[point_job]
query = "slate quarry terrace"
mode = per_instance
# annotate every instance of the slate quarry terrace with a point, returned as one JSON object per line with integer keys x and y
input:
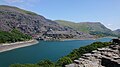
{"x": 102, "y": 57}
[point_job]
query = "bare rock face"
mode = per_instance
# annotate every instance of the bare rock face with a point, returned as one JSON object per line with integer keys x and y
{"x": 102, "y": 57}
{"x": 27, "y": 22}
{"x": 31, "y": 23}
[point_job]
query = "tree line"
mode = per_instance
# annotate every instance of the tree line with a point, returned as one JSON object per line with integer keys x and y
{"x": 13, "y": 36}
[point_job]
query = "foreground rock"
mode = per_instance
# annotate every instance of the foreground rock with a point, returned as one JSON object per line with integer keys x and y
{"x": 102, "y": 57}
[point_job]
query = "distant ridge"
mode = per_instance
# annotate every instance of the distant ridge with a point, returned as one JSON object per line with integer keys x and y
{"x": 84, "y": 26}
{"x": 117, "y": 31}
{"x": 95, "y": 28}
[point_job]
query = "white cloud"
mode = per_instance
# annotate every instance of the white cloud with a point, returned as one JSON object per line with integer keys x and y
{"x": 109, "y": 24}
{"x": 23, "y": 3}
{"x": 13, "y": 1}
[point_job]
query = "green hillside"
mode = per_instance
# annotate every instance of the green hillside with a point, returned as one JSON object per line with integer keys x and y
{"x": 13, "y": 36}
{"x": 73, "y": 25}
{"x": 17, "y": 9}
{"x": 95, "y": 28}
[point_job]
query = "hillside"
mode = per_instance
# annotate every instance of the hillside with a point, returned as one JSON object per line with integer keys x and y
{"x": 13, "y": 36}
{"x": 117, "y": 32}
{"x": 87, "y": 27}
{"x": 33, "y": 24}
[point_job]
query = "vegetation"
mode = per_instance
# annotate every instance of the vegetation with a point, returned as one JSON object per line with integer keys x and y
{"x": 102, "y": 34}
{"x": 75, "y": 54}
{"x": 63, "y": 61}
{"x": 93, "y": 28}
{"x": 46, "y": 63}
{"x": 85, "y": 27}
{"x": 43, "y": 63}
{"x": 13, "y": 36}
{"x": 76, "y": 26}
{"x": 20, "y": 10}
{"x": 24, "y": 65}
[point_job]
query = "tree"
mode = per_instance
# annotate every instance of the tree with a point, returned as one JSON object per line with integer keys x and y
{"x": 13, "y": 36}
{"x": 46, "y": 63}
{"x": 24, "y": 65}
{"x": 64, "y": 61}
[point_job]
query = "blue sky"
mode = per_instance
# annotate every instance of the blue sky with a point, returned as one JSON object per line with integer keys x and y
{"x": 105, "y": 11}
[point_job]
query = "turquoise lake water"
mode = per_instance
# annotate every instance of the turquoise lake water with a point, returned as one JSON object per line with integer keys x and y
{"x": 51, "y": 50}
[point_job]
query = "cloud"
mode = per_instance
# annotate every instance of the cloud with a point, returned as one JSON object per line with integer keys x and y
{"x": 24, "y": 3}
{"x": 109, "y": 24}
{"x": 13, "y": 1}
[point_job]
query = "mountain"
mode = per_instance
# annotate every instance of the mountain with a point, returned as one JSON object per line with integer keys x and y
{"x": 117, "y": 31}
{"x": 95, "y": 28}
{"x": 33, "y": 24}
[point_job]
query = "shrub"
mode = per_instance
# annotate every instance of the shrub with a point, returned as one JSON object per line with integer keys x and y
{"x": 64, "y": 61}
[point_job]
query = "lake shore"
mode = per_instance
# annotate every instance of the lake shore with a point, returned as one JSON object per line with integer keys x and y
{"x": 78, "y": 39}
{"x": 10, "y": 46}
{"x": 87, "y": 38}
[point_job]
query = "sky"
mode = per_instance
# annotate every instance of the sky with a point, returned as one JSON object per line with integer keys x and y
{"x": 105, "y": 11}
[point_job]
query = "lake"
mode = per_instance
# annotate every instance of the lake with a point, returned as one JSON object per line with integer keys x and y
{"x": 51, "y": 50}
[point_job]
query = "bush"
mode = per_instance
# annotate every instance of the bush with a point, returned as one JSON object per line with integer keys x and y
{"x": 46, "y": 63}
{"x": 77, "y": 53}
{"x": 24, "y": 65}
{"x": 13, "y": 36}
{"x": 63, "y": 61}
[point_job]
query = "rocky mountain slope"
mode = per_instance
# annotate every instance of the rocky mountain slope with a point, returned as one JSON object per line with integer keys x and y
{"x": 33, "y": 24}
{"x": 117, "y": 31}
{"x": 89, "y": 27}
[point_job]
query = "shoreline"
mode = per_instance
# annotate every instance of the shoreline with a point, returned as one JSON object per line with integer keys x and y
{"x": 86, "y": 38}
{"x": 11, "y": 46}
{"x": 78, "y": 39}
